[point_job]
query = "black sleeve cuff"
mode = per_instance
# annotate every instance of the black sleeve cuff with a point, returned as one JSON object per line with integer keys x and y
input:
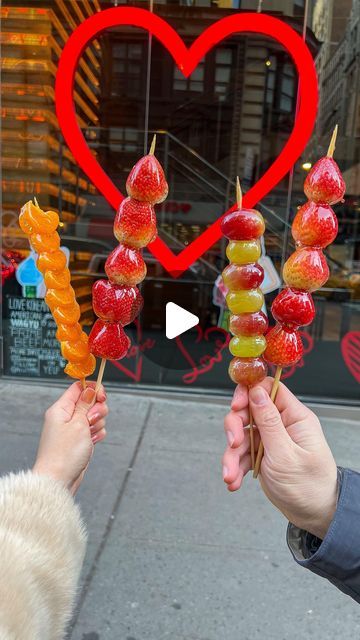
{"x": 337, "y": 557}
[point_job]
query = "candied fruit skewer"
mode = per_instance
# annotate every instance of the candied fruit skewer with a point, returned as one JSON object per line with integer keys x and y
{"x": 314, "y": 227}
{"x": 243, "y": 277}
{"x": 118, "y": 301}
{"x": 41, "y": 228}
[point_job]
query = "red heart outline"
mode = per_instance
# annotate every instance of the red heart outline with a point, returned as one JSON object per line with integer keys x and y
{"x": 186, "y": 59}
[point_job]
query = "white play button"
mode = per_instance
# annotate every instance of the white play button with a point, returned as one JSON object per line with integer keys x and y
{"x": 178, "y": 320}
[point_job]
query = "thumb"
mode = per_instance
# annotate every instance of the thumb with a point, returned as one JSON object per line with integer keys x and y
{"x": 267, "y": 419}
{"x": 85, "y": 402}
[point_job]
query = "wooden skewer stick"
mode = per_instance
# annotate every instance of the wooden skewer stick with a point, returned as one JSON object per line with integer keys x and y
{"x": 238, "y": 193}
{"x": 83, "y": 383}
{"x": 332, "y": 144}
{"x": 273, "y": 393}
{"x": 36, "y": 203}
{"x": 252, "y": 444}
{"x": 153, "y": 145}
{"x": 100, "y": 375}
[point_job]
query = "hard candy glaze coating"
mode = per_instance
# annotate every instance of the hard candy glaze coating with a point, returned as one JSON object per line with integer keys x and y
{"x": 125, "y": 265}
{"x": 248, "y": 324}
{"x": 283, "y": 347}
{"x": 315, "y": 225}
{"x": 306, "y": 269}
{"x": 244, "y": 251}
{"x": 81, "y": 369}
{"x": 247, "y": 346}
{"x": 324, "y": 182}
{"x": 247, "y": 371}
{"x": 243, "y": 276}
{"x": 135, "y": 223}
{"x": 51, "y": 261}
{"x": 57, "y": 279}
{"x": 41, "y": 227}
{"x": 245, "y": 301}
{"x": 60, "y": 297}
{"x": 147, "y": 181}
{"x": 67, "y": 315}
{"x": 293, "y": 308}
{"x": 41, "y": 242}
{"x": 243, "y": 224}
{"x": 32, "y": 219}
{"x": 71, "y": 332}
{"x": 75, "y": 351}
{"x": 116, "y": 303}
{"x": 108, "y": 340}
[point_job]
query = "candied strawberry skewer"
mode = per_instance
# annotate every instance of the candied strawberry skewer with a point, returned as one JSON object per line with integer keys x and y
{"x": 117, "y": 301}
{"x": 243, "y": 277}
{"x": 315, "y": 227}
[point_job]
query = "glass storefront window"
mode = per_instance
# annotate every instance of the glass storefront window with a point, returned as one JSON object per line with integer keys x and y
{"x": 231, "y": 117}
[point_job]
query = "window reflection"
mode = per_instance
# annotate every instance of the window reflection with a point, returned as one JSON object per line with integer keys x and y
{"x": 232, "y": 116}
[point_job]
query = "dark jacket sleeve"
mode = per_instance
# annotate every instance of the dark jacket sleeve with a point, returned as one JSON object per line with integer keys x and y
{"x": 337, "y": 557}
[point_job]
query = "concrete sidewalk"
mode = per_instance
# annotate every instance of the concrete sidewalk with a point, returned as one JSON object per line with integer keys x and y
{"x": 171, "y": 553}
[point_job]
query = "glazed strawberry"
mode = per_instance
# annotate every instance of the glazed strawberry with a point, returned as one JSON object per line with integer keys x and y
{"x": 315, "y": 225}
{"x": 146, "y": 181}
{"x": 135, "y": 223}
{"x": 108, "y": 340}
{"x": 248, "y": 324}
{"x": 324, "y": 183}
{"x": 306, "y": 269}
{"x": 125, "y": 265}
{"x": 243, "y": 276}
{"x": 293, "y": 308}
{"x": 247, "y": 371}
{"x": 116, "y": 303}
{"x": 243, "y": 224}
{"x": 283, "y": 347}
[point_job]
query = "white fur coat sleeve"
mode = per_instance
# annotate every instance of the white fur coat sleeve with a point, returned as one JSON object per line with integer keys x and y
{"x": 42, "y": 546}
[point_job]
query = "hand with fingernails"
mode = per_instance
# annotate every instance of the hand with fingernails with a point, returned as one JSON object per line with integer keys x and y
{"x": 72, "y": 426}
{"x": 298, "y": 473}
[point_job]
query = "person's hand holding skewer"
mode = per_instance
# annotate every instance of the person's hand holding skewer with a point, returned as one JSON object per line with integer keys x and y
{"x": 298, "y": 472}
{"x": 72, "y": 426}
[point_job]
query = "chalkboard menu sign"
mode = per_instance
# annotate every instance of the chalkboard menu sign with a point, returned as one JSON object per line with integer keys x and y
{"x": 30, "y": 345}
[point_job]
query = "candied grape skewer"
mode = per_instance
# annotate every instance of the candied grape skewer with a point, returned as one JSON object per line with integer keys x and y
{"x": 243, "y": 277}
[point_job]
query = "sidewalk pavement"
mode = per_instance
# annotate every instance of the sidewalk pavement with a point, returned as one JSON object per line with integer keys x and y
{"x": 171, "y": 554}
